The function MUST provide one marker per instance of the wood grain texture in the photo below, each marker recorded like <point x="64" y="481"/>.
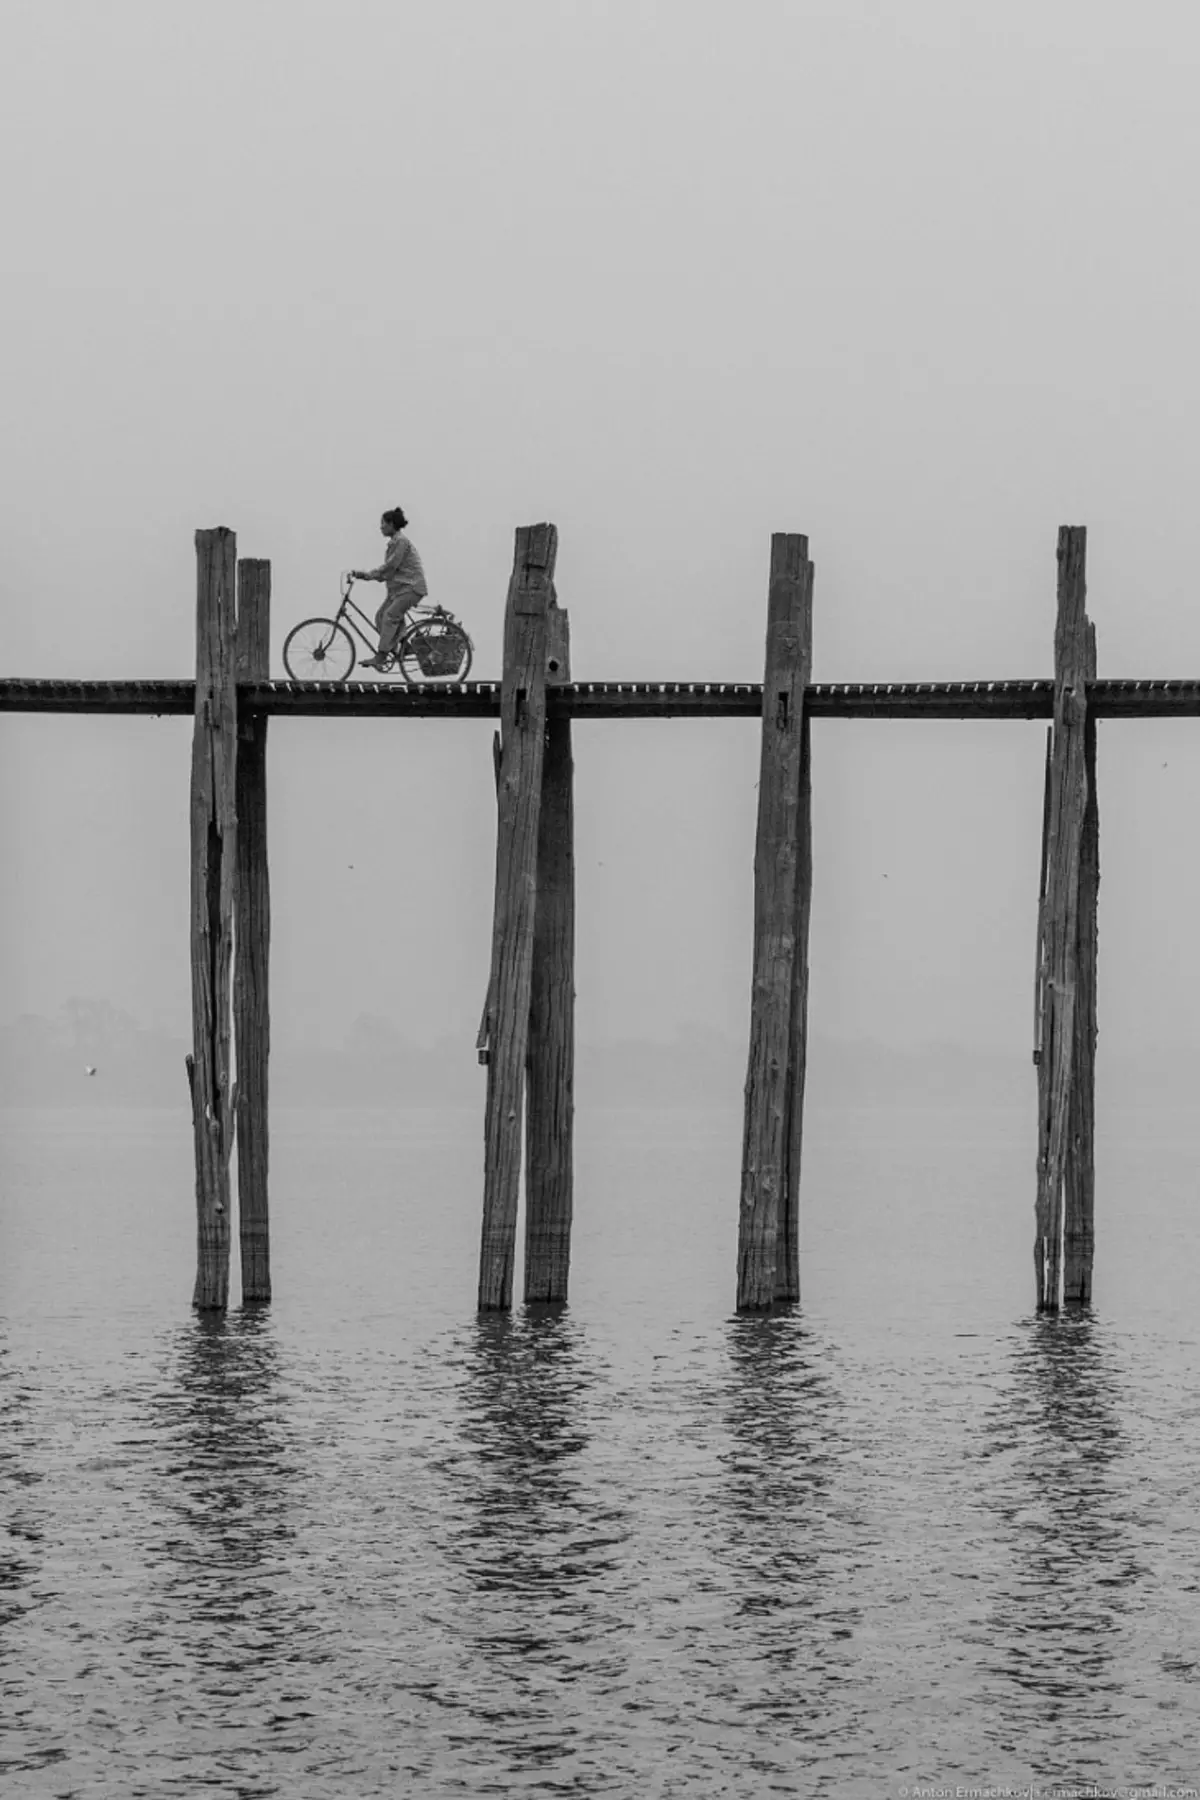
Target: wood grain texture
<point x="504" y="1036"/>
<point x="550" y="1096"/>
<point x="252" y="937"/>
<point x="481" y="1039"/>
<point x="1079" y="1232"/>
<point x="1039" y="972"/>
<point x="213" y="853"/>
<point x="1060" y="937"/>
<point x="787" y="1257"/>
<point x="769" y="1111"/>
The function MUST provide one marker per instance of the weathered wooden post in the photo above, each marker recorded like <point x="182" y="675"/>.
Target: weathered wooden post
<point x="504" y="1034"/>
<point x="782" y="884"/>
<point x="252" y="935"/>
<point x="1039" y="974"/>
<point x="787" y="1261"/>
<point x="1074" y="664"/>
<point x="550" y="1102"/>
<point x="1079" y="1231"/>
<point x="213" y="834"/>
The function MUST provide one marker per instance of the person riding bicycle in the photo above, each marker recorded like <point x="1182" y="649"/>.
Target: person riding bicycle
<point x="401" y="569"/>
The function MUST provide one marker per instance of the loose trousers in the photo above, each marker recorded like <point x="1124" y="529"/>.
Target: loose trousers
<point x="389" y="620"/>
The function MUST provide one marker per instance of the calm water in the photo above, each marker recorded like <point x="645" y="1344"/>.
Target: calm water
<point x="366" y="1544"/>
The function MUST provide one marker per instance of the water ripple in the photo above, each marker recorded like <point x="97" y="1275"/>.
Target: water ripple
<point x="626" y="1551"/>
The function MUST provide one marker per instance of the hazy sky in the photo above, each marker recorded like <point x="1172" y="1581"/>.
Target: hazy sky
<point x="920" y="279"/>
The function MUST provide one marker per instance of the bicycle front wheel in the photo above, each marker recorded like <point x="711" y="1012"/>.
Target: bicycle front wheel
<point x="318" y="650"/>
<point x="436" y="650"/>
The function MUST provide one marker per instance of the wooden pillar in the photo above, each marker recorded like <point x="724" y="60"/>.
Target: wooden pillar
<point x="550" y="1101"/>
<point x="1073" y="655"/>
<point x="504" y="1035"/>
<point x="252" y="936"/>
<point x="1039" y="976"/>
<point x="770" y="1149"/>
<point x="213" y="834"/>
<point x="787" y="1259"/>
<point x="1079" y="1233"/>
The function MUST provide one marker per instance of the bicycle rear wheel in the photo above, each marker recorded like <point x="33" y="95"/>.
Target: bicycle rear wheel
<point x="318" y="650"/>
<point x="435" y="650"/>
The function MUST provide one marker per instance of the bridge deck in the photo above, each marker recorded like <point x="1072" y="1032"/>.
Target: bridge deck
<point x="615" y="699"/>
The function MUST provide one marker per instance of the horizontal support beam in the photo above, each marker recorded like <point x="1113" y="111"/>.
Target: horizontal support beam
<point x="615" y="699"/>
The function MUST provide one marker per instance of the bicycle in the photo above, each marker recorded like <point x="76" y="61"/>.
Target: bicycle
<point x="432" y="647"/>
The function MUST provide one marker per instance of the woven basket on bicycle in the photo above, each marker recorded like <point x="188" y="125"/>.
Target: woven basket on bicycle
<point x="438" y="649"/>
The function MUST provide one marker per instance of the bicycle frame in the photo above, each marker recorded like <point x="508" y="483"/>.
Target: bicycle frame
<point x="342" y="617"/>
<point x="367" y="636"/>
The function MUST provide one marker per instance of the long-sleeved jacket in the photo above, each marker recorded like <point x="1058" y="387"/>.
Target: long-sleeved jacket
<point x="400" y="568"/>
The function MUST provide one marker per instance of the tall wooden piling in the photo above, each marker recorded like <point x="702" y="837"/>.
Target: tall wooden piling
<point x="252" y="936"/>
<point x="213" y="852"/>
<point x="787" y="1247"/>
<point x="1074" y="660"/>
<point x="550" y="1067"/>
<point x="1079" y="1234"/>
<point x="1039" y="975"/>
<point x="504" y="1036"/>
<point x="774" y="1077"/>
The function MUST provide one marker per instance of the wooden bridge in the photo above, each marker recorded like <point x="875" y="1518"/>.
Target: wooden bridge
<point x="615" y="699"/>
<point x="526" y="1037"/>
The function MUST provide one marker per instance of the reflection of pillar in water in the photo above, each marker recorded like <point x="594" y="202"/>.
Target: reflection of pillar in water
<point x="1055" y="1438"/>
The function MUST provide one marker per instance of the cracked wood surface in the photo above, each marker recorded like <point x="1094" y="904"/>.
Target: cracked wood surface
<point x="213" y="851"/>
<point x="504" y="1035"/>
<point x="550" y="1099"/>
<point x="1073" y="645"/>
<point x="771" y="1127"/>
<point x="252" y="938"/>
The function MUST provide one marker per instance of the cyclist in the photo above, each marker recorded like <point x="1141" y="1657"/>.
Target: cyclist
<point x="401" y="569"/>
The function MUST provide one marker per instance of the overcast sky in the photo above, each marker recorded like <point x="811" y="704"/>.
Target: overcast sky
<point x="919" y="279"/>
